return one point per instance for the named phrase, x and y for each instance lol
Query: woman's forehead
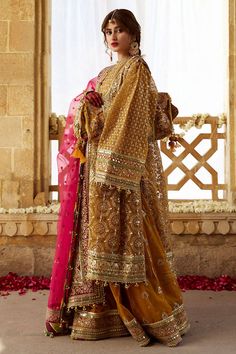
(112, 24)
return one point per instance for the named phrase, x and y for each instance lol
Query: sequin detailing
(92, 325)
(116, 246)
(170, 328)
(163, 125)
(129, 106)
(83, 291)
(118, 170)
(126, 187)
(137, 332)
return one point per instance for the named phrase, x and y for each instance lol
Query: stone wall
(202, 246)
(20, 82)
(27, 243)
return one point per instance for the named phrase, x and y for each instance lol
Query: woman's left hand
(94, 98)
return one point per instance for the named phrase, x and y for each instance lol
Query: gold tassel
(173, 142)
(79, 155)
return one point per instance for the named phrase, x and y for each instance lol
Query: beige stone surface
(193, 227)
(223, 227)
(26, 192)
(40, 199)
(187, 260)
(52, 228)
(20, 100)
(17, 9)
(5, 163)
(177, 227)
(223, 258)
(3, 35)
(43, 257)
(19, 260)
(26, 228)
(10, 194)
(24, 96)
(199, 254)
(41, 228)
(21, 36)
(23, 163)
(16, 69)
(208, 227)
(10, 228)
(28, 132)
(211, 255)
(212, 317)
(3, 100)
(10, 132)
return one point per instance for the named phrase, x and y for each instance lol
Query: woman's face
(117, 38)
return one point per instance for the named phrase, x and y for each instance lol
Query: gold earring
(109, 53)
(134, 48)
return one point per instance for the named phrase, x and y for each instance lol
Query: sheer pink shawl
(68, 178)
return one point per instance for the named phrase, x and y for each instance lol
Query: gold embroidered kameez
(123, 278)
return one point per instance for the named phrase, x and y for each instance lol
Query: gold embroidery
(92, 325)
(108, 267)
(126, 183)
(129, 106)
(116, 245)
(83, 292)
(53, 315)
(153, 190)
(137, 332)
(118, 170)
(163, 125)
(181, 319)
(170, 328)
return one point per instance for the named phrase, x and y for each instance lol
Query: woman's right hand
(94, 98)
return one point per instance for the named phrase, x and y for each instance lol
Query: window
(185, 44)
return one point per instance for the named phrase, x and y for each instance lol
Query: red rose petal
(13, 282)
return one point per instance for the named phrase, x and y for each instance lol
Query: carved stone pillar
(231, 126)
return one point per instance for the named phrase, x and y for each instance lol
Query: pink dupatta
(68, 177)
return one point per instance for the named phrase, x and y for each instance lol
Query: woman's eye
(119, 30)
(108, 32)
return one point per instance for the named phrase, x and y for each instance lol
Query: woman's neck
(121, 56)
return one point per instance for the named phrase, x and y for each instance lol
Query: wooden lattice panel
(56, 133)
(202, 159)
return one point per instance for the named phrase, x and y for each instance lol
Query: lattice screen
(194, 171)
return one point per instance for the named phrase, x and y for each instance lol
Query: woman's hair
(125, 18)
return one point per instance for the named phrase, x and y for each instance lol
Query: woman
(112, 273)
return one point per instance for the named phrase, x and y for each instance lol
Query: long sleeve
(123, 144)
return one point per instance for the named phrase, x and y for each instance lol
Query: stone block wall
(201, 246)
(27, 243)
(24, 101)
(204, 244)
(17, 33)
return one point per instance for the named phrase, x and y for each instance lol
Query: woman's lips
(115, 44)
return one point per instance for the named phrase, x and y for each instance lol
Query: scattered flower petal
(13, 282)
(197, 282)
